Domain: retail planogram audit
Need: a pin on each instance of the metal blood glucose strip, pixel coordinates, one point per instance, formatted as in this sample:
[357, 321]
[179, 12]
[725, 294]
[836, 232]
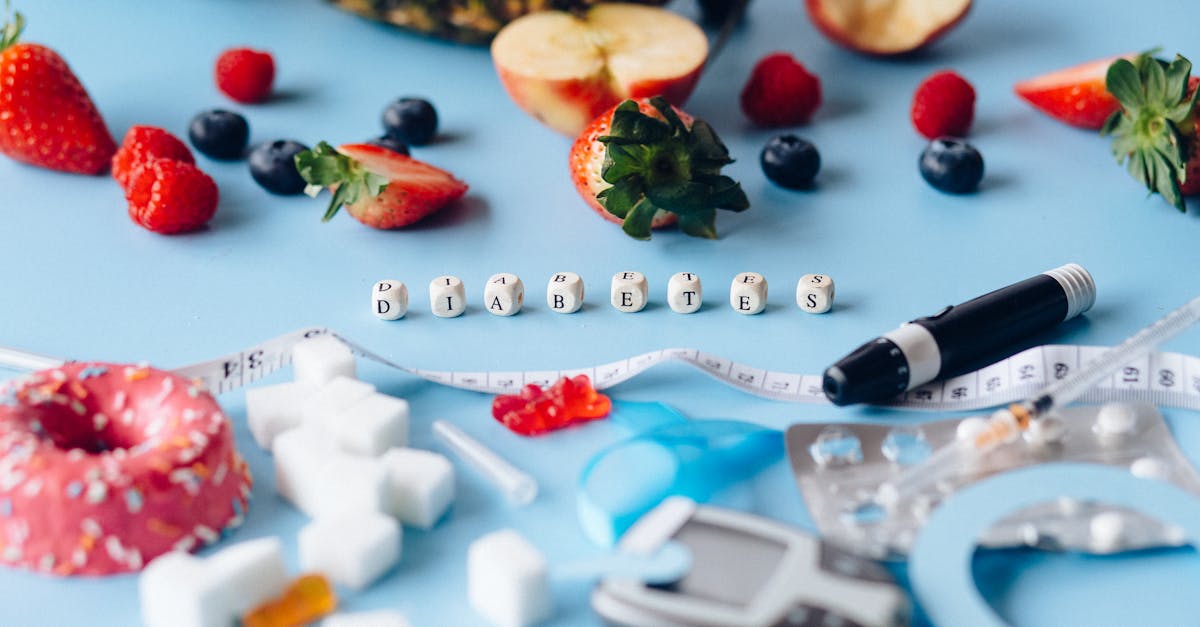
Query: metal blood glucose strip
[1163, 379]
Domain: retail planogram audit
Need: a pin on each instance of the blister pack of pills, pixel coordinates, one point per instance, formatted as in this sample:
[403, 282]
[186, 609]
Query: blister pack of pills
[840, 467]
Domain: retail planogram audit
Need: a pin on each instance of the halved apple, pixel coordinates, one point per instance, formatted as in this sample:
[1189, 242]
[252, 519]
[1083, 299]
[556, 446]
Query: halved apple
[565, 70]
[885, 27]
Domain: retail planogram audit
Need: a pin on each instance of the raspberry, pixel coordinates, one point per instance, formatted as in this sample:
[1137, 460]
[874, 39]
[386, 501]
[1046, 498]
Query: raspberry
[780, 92]
[944, 104]
[143, 143]
[245, 75]
[168, 196]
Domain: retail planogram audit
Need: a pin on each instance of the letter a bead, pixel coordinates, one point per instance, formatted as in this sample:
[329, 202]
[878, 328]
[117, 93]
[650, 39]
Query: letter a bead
[504, 294]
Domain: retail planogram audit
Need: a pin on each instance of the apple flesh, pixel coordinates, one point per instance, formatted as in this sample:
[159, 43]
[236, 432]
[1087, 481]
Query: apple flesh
[885, 27]
[565, 70]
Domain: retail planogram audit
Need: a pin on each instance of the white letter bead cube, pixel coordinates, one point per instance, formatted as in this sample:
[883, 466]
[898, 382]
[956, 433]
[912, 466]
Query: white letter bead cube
[684, 293]
[317, 360]
[748, 293]
[814, 293]
[420, 485]
[353, 548]
[629, 291]
[507, 580]
[447, 296]
[389, 299]
[564, 292]
[371, 425]
[273, 409]
[504, 294]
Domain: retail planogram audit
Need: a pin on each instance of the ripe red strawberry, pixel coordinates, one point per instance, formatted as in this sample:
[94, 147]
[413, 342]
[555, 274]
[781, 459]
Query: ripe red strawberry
[168, 196]
[379, 187]
[644, 165]
[1075, 95]
[1156, 129]
[47, 118]
[245, 75]
[780, 92]
[944, 104]
[143, 143]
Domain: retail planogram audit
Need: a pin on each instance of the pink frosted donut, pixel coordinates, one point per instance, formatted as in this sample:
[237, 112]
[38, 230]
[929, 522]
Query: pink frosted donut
[103, 467]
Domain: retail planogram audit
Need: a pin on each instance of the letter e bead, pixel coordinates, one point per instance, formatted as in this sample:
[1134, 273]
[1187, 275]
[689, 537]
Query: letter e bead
[628, 292]
[748, 293]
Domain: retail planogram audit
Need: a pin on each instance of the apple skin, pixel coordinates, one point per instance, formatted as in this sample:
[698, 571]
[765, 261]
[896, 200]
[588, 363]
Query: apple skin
[568, 105]
[828, 27]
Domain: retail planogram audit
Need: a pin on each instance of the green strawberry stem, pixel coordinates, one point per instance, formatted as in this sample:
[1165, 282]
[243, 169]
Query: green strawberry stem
[12, 28]
[1155, 129]
[656, 165]
[325, 168]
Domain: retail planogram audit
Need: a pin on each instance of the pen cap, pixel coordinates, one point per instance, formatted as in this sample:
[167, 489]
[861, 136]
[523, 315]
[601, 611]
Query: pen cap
[875, 371]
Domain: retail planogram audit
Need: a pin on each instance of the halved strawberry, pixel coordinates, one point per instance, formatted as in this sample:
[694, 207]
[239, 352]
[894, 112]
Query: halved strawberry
[379, 187]
[644, 164]
[1074, 95]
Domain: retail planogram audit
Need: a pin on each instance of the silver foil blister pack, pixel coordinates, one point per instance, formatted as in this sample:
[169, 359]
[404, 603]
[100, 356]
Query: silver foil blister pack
[839, 468]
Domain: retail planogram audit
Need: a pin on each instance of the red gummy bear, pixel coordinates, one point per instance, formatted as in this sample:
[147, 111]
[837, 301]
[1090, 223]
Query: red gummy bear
[535, 411]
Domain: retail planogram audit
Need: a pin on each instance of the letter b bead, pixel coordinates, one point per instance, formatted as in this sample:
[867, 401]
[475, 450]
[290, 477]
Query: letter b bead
[628, 292]
[564, 292]
[748, 293]
[683, 292]
[447, 297]
[389, 300]
[504, 294]
[814, 293]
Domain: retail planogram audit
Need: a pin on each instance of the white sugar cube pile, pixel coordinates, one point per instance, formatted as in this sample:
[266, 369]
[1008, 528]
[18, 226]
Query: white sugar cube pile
[181, 590]
[507, 580]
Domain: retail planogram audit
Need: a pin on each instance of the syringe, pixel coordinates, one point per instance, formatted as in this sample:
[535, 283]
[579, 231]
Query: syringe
[1005, 425]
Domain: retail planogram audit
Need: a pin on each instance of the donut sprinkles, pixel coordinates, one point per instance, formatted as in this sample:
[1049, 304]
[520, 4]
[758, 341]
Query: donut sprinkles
[103, 467]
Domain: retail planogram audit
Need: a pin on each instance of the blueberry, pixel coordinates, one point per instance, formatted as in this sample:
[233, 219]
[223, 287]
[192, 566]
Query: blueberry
[273, 166]
[411, 120]
[951, 165]
[219, 134]
[391, 143]
[790, 162]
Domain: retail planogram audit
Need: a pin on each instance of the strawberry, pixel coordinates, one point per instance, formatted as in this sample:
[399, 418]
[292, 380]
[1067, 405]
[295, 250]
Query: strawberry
[245, 75]
[780, 92]
[1075, 95]
[944, 104]
[143, 143]
[46, 116]
[381, 188]
[644, 164]
[167, 196]
[1155, 130]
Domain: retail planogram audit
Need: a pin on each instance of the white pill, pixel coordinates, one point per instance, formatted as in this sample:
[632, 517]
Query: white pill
[318, 360]
[273, 409]
[1116, 419]
[389, 299]
[1108, 531]
[1150, 468]
[564, 292]
[504, 294]
[1045, 431]
[814, 293]
[629, 290]
[420, 485]
[684, 293]
[507, 580]
[748, 293]
[447, 296]
[353, 548]
[970, 428]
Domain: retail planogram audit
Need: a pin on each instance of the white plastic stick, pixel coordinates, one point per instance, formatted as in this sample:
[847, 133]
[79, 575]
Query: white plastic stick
[519, 487]
[25, 361]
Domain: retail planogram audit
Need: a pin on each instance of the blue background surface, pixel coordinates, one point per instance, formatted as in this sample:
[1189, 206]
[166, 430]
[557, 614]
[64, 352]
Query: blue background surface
[80, 280]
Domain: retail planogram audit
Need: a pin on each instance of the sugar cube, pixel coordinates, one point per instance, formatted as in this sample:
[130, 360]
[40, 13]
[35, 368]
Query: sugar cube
[377, 618]
[273, 409]
[333, 397]
[507, 580]
[371, 425]
[420, 485]
[319, 359]
[353, 548]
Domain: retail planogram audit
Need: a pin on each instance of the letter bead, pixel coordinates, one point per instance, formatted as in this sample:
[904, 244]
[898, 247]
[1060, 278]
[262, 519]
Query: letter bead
[629, 291]
[814, 293]
[447, 297]
[748, 293]
[389, 299]
[684, 293]
[564, 292]
[504, 294]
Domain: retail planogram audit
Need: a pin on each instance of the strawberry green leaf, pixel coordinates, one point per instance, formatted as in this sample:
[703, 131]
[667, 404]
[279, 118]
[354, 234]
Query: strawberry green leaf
[630, 126]
[677, 126]
[1177, 79]
[325, 167]
[622, 160]
[637, 223]
[1155, 77]
[622, 196]
[699, 225]
[684, 197]
[1124, 83]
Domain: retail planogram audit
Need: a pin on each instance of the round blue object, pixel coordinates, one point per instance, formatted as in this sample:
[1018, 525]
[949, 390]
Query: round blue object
[951, 165]
[219, 134]
[273, 166]
[412, 121]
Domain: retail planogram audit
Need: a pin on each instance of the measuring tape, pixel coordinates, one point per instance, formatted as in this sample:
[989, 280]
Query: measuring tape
[1163, 379]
